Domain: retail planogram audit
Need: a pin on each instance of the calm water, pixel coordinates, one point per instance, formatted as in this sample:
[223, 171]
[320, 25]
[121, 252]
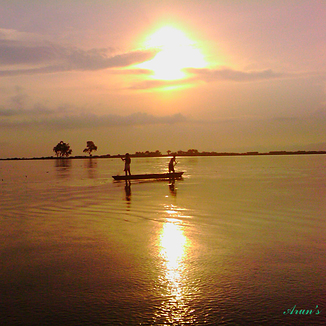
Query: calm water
[238, 241]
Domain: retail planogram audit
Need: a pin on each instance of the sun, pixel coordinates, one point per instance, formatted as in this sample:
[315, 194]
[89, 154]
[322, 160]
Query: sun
[175, 53]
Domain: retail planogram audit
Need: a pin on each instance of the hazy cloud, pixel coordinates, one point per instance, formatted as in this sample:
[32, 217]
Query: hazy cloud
[148, 84]
[14, 35]
[210, 75]
[320, 113]
[20, 97]
[234, 75]
[285, 119]
[134, 72]
[17, 106]
[44, 57]
[37, 110]
[32, 118]
[8, 113]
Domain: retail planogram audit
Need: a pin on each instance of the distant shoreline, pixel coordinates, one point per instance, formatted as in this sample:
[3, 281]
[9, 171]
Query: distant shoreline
[180, 153]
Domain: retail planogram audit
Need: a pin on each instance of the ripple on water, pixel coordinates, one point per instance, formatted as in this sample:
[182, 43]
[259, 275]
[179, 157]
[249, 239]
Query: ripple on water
[237, 242]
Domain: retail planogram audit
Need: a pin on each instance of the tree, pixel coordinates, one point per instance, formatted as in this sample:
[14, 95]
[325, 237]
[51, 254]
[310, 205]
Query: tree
[169, 152]
[90, 147]
[62, 149]
[192, 152]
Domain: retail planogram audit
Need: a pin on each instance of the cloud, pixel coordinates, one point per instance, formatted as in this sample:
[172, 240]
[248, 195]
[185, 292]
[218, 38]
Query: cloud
[40, 57]
[19, 99]
[37, 110]
[147, 84]
[155, 83]
[15, 103]
[320, 112]
[14, 35]
[210, 75]
[47, 118]
[134, 72]
[18, 106]
[8, 113]
[285, 119]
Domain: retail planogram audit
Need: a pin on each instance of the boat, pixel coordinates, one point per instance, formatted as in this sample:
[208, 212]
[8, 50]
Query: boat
[175, 175]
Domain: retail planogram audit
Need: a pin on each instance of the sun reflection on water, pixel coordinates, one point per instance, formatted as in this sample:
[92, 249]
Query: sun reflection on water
[173, 248]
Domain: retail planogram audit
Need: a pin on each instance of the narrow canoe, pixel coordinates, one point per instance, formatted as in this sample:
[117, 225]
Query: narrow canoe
[176, 175]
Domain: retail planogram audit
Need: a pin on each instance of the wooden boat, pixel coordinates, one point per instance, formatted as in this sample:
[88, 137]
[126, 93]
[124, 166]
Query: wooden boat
[176, 175]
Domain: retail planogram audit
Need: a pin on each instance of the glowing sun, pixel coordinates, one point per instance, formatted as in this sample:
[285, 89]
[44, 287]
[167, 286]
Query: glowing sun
[176, 52]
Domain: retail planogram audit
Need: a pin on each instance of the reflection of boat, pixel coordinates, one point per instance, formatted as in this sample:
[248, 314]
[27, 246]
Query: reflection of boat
[175, 175]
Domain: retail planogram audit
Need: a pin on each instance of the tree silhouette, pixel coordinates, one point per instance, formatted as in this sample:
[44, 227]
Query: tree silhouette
[90, 147]
[62, 149]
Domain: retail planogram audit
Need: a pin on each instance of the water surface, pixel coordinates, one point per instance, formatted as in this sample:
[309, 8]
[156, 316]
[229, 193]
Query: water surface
[238, 241]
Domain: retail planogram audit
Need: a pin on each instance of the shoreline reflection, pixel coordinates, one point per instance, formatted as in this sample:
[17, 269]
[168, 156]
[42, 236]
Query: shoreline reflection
[91, 166]
[63, 167]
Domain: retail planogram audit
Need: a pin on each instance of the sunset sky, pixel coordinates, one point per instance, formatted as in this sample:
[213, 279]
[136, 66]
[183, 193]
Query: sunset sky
[219, 75]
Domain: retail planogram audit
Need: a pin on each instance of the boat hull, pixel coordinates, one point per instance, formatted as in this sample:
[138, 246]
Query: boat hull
[176, 175]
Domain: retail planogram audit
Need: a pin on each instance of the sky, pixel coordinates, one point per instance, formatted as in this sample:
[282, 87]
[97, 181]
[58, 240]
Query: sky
[222, 75]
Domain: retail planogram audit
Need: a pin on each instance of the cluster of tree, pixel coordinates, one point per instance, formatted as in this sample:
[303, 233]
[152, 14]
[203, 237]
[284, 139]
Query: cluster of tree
[188, 152]
[63, 149]
[148, 153]
[158, 153]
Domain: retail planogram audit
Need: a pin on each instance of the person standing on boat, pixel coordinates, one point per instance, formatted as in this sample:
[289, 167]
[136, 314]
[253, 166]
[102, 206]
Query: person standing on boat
[172, 163]
[127, 160]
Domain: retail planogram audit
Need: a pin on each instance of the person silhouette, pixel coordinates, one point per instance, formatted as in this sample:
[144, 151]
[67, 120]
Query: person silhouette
[172, 163]
[127, 160]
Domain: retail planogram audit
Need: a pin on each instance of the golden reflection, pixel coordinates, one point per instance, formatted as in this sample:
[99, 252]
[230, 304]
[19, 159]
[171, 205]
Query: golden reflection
[172, 246]
[173, 283]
